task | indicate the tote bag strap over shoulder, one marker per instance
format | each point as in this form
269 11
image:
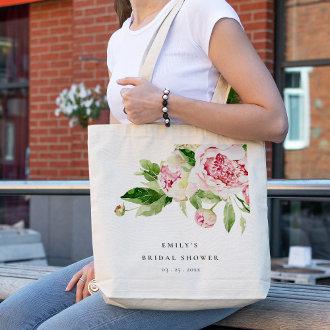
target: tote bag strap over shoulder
156 43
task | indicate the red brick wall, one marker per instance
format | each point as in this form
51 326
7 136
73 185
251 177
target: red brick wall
68 41
63 33
51 68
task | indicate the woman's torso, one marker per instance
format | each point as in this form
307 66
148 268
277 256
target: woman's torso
183 65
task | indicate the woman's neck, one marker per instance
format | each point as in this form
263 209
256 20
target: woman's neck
143 11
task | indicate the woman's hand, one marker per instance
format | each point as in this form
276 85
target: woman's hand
143 101
87 272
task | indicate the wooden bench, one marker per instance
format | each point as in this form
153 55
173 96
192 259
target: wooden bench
15 276
288 306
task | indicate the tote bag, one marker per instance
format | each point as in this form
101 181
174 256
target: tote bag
179 213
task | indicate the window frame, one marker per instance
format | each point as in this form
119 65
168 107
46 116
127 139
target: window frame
305 112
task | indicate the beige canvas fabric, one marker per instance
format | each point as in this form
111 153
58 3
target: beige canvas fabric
179 214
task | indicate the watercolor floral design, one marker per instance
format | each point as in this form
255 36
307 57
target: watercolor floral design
197 175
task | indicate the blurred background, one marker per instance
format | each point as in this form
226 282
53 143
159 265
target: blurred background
46 46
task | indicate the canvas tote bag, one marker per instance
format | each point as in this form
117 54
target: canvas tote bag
179 214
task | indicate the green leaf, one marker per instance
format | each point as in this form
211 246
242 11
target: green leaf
189 156
242 223
208 195
244 146
149 166
149 170
139 195
154 185
246 207
145 163
183 207
228 216
195 201
168 200
138 173
152 209
149 176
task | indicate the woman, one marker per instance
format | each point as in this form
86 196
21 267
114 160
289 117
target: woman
206 38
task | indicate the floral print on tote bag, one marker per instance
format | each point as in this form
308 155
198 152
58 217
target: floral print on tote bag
197 175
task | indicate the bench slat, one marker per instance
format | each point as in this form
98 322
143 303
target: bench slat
300 286
285 309
288 306
14 277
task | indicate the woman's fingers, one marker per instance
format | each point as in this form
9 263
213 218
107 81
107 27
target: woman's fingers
85 291
79 290
87 274
74 280
90 276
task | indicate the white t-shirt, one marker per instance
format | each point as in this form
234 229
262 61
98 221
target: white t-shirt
183 65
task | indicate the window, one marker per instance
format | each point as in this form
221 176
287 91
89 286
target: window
297 103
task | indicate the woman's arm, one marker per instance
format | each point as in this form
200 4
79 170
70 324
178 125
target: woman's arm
261 115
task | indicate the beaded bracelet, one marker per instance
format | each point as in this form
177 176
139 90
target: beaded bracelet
166 93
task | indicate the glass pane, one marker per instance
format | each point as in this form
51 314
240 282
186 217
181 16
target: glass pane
14 44
292 79
306 223
307 146
294 115
14 41
307 29
13 133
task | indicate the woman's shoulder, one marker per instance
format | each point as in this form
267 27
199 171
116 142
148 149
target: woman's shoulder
200 7
201 16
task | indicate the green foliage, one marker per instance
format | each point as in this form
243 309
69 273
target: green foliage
189 156
153 208
233 97
183 207
245 206
149 170
200 195
242 223
228 216
139 195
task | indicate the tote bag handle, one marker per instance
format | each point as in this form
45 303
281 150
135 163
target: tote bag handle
155 45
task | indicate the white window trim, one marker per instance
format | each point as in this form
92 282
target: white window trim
303 90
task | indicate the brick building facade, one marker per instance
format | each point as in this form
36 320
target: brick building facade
68 40
307 39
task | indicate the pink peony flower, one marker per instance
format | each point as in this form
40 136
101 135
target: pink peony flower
205 218
173 177
220 169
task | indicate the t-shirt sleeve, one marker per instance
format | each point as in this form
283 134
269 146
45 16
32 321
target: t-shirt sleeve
111 52
203 14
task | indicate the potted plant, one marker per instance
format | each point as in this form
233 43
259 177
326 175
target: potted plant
80 104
